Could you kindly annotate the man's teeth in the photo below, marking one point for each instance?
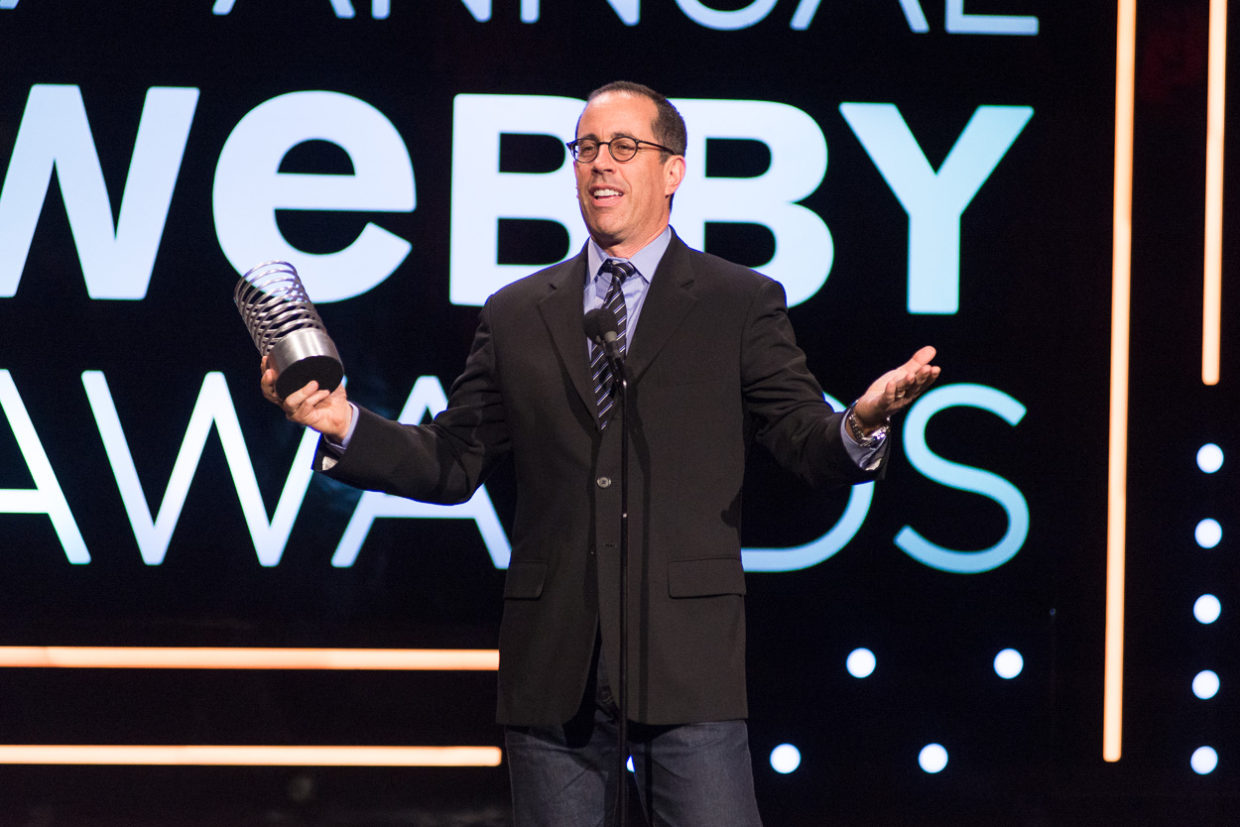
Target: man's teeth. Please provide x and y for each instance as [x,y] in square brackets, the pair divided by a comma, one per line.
[603,193]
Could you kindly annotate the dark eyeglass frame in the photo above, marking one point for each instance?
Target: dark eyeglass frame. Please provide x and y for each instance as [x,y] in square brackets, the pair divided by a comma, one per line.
[575,148]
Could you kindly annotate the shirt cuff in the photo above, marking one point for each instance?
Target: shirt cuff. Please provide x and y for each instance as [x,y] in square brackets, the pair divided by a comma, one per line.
[867,459]
[334,450]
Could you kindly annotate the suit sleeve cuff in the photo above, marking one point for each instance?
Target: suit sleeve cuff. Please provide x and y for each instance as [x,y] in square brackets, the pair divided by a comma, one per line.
[332,450]
[867,459]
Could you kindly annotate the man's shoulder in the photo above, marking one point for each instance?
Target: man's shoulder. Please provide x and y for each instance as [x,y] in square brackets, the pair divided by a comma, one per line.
[710,262]
[715,272]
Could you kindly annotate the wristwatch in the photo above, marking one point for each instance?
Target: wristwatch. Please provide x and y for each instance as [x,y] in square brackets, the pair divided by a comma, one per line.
[875,437]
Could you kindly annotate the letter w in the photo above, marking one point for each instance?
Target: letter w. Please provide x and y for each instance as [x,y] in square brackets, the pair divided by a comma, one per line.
[54,134]
[214,407]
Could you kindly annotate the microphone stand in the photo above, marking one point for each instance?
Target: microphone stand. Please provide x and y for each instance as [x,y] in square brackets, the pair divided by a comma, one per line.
[620,689]
[622,731]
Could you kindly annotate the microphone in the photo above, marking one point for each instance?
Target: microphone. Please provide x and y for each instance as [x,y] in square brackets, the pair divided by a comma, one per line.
[285,326]
[601,327]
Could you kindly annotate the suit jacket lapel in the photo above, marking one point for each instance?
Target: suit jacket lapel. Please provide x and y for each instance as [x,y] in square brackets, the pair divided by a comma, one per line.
[561,312]
[671,297]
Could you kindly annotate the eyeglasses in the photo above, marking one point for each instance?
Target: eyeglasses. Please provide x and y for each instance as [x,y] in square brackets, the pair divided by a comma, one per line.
[623,149]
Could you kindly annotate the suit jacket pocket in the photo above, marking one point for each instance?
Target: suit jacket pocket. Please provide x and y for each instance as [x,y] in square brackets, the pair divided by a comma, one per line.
[524,580]
[706,577]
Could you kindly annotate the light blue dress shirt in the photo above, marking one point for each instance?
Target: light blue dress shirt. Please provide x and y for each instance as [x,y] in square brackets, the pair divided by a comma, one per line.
[645,261]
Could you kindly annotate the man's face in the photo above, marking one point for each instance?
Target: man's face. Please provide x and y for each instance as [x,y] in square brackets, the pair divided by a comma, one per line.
[625,206]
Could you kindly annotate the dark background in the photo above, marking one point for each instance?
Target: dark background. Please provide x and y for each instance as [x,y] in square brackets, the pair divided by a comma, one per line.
[1033,322]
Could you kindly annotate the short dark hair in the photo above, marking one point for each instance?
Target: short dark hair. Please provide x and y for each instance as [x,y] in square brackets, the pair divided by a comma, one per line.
[668,126]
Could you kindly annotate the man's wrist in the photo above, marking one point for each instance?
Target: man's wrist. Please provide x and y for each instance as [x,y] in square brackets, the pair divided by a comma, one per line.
[341,441]
[865,436]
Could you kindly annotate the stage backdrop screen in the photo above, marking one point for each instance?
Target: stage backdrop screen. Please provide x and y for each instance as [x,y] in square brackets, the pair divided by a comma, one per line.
[912,172]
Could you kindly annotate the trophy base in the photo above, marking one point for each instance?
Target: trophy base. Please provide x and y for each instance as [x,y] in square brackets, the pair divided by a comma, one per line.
[322,369]
[303,356]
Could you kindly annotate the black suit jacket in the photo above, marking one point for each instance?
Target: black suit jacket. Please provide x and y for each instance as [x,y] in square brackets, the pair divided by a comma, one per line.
[713,366]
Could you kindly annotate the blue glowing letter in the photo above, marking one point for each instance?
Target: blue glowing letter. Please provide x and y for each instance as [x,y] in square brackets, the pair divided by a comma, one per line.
[249,188]
[964,478]
[482,194]
[46,497]
[214,407]
[703,15]
[804,249]
[54,133]
[814,552]
[933,200]
[960,22]
[427,397]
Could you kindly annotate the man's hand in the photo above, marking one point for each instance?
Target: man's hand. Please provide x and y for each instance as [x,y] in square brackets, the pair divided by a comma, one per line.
[327,412]
[896,389]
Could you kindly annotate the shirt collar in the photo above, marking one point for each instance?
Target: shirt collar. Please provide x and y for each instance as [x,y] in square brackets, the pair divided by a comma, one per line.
[646,260]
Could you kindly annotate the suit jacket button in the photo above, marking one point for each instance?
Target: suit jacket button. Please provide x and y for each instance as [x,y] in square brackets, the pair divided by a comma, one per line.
[603,482]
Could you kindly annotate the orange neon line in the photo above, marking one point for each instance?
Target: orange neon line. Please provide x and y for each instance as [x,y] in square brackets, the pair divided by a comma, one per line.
[251,756]
[1212,304]
[172,657]
[1117,461]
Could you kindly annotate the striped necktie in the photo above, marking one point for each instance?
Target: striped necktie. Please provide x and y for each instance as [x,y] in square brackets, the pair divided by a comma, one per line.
[600,370]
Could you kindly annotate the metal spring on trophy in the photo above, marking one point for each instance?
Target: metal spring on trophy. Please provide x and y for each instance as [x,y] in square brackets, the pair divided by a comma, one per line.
[273,303]
[285,326]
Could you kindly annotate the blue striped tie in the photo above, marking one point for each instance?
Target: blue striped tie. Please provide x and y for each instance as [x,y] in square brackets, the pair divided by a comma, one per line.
[600,370]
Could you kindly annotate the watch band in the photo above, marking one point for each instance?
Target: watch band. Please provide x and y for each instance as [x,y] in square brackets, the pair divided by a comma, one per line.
[875,437]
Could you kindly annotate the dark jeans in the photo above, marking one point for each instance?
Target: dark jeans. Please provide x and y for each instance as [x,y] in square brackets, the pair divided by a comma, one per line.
[690,775]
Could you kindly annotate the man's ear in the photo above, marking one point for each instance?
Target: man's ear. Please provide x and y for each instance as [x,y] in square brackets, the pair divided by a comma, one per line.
[674,172]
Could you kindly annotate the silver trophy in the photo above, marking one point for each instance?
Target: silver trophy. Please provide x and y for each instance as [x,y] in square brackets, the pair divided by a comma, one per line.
[285,326]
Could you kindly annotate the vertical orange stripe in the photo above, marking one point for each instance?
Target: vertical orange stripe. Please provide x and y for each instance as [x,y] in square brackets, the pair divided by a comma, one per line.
[1117,462]
[1212,303]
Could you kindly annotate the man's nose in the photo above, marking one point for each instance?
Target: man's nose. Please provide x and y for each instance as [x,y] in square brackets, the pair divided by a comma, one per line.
[603,158]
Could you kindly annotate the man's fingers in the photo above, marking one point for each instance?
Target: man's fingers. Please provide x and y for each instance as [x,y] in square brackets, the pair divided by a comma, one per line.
[298,397]
[918,370]
[315,399]
[896,389]
[922,357]
[914,378]
[267,381]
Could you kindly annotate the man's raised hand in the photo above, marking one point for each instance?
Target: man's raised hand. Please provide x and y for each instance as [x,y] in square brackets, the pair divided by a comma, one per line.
[327,412]
[896,389]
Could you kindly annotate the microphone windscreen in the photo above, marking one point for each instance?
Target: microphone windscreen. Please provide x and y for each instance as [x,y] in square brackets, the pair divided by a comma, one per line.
[599,322]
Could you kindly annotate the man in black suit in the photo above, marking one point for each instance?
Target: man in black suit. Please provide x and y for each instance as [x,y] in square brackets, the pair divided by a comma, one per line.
[713,366]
